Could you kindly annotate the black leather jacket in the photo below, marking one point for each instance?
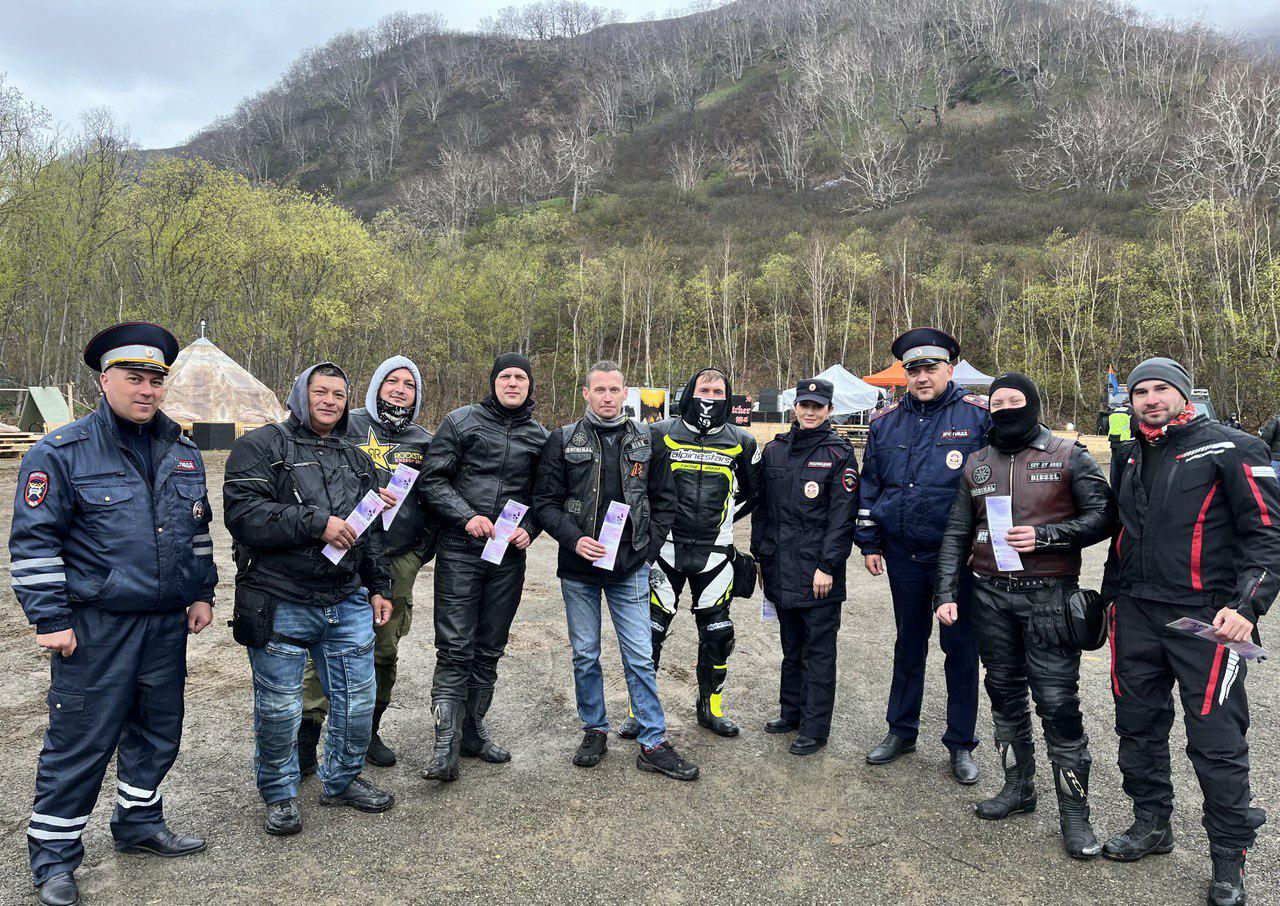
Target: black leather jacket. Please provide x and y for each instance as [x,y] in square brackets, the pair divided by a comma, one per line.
[1270,434]
[482,456]
[1090,493]
[415,526]
[277,505]
[567,496]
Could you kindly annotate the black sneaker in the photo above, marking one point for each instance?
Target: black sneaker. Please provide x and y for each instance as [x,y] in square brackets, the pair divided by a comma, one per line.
[283,818]
[663,759]
[595,745]
[362,796]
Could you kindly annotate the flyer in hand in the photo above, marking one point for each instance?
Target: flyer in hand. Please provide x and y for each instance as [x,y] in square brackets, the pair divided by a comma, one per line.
[360,519]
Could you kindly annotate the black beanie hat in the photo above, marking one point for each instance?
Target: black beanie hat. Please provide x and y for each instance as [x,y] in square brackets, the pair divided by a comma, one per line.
[501,364]
[511,360]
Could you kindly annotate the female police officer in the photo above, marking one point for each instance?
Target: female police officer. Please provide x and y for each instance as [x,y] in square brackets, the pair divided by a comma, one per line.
[801,535]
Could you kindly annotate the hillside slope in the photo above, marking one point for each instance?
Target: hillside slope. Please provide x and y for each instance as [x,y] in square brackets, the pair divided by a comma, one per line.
[998,120]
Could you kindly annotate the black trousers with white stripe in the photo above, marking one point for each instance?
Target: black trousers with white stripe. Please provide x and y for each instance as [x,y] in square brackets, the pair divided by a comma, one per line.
[1147,658]
[121,693]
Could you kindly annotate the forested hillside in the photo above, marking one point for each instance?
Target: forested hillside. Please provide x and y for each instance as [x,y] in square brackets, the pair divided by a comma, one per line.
[774,186]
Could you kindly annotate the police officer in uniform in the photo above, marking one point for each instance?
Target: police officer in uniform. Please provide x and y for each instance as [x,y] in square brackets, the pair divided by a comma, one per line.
[113,564]
[801,535]
[909,474]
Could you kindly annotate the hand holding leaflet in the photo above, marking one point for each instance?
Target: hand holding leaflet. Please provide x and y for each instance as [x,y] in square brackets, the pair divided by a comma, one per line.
[1206,631]
[611,533]
[507,523]
[361,518]
[401,481]
[999,521]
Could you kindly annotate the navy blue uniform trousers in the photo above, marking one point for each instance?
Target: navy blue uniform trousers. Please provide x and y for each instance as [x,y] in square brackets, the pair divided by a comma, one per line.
[120,692]
[911,584]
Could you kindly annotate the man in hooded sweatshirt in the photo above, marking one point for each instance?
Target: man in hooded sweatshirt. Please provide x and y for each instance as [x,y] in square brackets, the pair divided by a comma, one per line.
[715,467]
[385,428]
[1060,503]
[484,456]
[287,492]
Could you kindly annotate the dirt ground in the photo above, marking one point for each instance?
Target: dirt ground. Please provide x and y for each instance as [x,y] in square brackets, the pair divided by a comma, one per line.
[761,825]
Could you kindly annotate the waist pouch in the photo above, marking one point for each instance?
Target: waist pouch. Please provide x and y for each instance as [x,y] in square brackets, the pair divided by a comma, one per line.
[744,573]
[253,618]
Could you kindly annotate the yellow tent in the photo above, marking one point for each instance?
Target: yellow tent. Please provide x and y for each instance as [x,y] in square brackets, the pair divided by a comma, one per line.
[207,385]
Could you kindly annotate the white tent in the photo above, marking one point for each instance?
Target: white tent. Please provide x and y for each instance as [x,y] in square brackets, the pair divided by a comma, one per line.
[852,394]
[967,376]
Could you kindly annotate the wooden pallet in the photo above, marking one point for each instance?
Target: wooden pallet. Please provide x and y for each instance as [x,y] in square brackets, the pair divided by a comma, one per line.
[855,434]
[13,444]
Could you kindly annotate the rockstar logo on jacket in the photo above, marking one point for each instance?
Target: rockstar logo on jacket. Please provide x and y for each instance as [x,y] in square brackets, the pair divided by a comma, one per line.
[378,452]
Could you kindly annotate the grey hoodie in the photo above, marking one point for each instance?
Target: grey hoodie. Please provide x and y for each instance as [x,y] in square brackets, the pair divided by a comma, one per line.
[299,405]
[380,374]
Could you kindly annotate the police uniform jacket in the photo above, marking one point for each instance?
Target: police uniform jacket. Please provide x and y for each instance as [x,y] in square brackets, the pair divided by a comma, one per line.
[805,520]
[88,531]
[911,468]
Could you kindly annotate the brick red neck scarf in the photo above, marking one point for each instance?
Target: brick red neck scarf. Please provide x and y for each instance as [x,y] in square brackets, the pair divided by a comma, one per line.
[1155,435]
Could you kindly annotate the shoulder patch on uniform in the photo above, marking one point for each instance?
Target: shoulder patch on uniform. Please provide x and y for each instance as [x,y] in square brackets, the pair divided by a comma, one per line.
[186,465]
[974,399]
[850,480]
[36,489]
[885,411]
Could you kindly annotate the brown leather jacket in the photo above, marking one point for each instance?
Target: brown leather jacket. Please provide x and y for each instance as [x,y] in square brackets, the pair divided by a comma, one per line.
[1055,486]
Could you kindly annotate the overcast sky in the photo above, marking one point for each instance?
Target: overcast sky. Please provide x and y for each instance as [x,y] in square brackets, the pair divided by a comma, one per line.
[168,67]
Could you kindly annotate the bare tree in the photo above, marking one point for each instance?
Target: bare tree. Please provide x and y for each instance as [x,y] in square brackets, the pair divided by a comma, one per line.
[788,121]
[1232,146]
[1105,143]
[885,170]
[686,161]
[581,155]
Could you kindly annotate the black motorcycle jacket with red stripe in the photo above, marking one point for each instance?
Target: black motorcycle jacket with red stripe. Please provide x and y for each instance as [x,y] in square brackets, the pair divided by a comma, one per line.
[1208,533]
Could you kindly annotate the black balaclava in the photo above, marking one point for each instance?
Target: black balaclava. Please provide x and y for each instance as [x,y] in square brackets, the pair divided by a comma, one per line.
[1013,430]
[501,364]
[705,415]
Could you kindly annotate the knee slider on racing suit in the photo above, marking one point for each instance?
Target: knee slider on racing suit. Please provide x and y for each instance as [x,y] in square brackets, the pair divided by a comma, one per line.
[716,636]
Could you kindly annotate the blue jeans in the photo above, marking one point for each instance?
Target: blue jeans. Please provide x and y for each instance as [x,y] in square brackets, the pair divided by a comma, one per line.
[629,609]
[341,638]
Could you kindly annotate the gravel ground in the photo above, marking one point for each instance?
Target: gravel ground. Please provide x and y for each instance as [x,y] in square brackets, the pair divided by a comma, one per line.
[760,825]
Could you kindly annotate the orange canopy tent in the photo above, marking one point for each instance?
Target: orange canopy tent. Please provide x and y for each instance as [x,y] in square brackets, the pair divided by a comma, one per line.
[893,376]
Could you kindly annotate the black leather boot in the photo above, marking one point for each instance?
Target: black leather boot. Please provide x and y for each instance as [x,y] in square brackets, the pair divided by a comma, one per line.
[444,762]
[630,728]
[1019,793]
[308,739]
[379,752]
[713,721]
[1228,877]
[1073,812]
[476,742]
[1148,835]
